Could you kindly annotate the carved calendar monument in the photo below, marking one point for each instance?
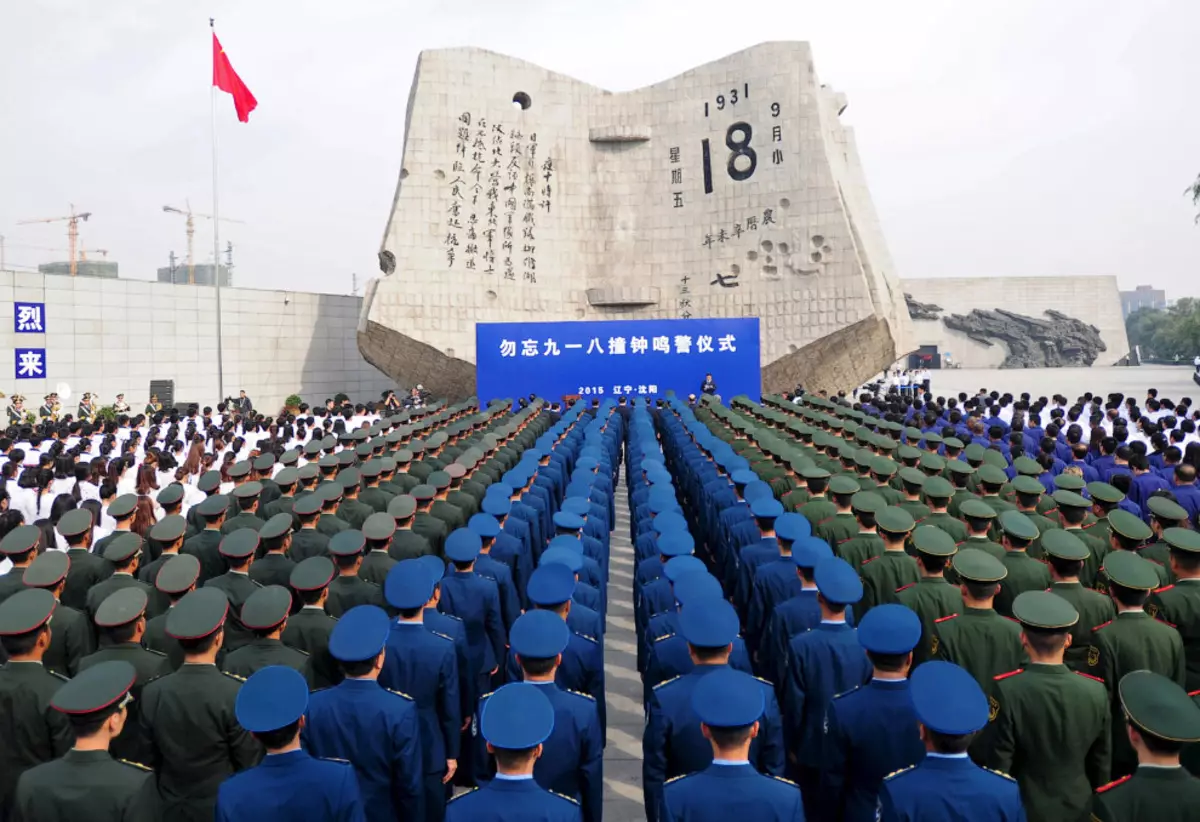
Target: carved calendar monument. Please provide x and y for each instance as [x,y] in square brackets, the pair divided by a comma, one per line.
[732,190]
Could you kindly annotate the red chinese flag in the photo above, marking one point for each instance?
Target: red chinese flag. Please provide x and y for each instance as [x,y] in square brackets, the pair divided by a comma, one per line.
[227,80]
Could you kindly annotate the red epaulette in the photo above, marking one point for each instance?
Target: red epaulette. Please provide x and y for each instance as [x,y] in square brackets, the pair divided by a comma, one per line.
[1166,622]
[1164,588]
[868,559]
[1114,783]
[902,587]
[1156,562]
[1098,627]
[1194,693]
[822,522]
[1089,676]
[999,677]
[1012,619]
[959,544]
[943,619]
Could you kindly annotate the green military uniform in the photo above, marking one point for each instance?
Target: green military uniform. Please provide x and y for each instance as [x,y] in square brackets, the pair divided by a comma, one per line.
[353,511]
[31,732]
[978,639]
[376,565]
[1179,604]
[893,568]
[1093,607]
[88,784]
[375,497]
[432,529]
[116,611]
[348,591]
[1050,726]
[103,590]
[309,628]
[188,716]
[263,613]
[272,568]
[205,546]
[70,634]
[931,597]
[86,570]
[1159,709]
[1024,572]
[1133,641]
[308,542]
[246,494]
[407,544]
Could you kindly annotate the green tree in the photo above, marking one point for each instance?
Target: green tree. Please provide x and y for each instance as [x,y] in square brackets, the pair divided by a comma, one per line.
[1166,334]
[1193,191]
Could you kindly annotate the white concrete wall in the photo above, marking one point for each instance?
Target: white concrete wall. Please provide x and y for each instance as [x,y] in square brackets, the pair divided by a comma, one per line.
[110,336]
[1094,300]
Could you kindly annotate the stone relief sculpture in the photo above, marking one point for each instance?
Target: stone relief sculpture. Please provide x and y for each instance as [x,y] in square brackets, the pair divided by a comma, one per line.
[1057,342]
[922,311]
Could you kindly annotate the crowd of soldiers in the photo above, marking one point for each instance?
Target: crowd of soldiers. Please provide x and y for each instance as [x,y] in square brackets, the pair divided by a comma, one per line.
[844,611]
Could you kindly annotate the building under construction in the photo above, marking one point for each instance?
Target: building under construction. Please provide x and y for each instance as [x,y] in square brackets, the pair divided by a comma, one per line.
[106,269]
[202,274]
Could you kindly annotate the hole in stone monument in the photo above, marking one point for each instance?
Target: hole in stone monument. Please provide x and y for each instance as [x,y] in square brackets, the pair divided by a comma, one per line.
[769,260]
[783,248]
[439,174]
[818,239]
[404,174]
[816,256]
[768,246]
[792,348]
[449,352]
[491,295]
[752,255]
[785,203]
[735,269]
[522,100]
[579,312]
[827,248]
[770,271]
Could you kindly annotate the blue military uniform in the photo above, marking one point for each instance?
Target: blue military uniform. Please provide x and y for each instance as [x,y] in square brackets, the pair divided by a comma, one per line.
[516,717]
[289,785]
[476,601]
[949,787]
[728,789]
[422,664]
[375,729]
[572,761]
[488,529]
[871,731]
[821,664]
[673,743]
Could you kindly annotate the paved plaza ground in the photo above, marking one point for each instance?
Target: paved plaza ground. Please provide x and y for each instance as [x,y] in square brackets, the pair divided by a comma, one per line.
[1174,382]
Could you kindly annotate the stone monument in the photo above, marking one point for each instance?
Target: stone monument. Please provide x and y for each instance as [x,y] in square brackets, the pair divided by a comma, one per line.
[730,190]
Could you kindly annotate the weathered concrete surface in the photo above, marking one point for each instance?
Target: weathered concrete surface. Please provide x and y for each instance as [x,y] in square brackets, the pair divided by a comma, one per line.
[588,204]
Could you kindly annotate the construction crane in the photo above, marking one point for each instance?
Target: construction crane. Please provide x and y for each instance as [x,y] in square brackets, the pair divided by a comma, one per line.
[72,229]
[191,233]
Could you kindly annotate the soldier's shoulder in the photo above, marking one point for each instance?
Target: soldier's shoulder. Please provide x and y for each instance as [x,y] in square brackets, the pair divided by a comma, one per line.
[588,697]
[1089,676]
[440,635]
[467,792]
[1008,675]
[1000,774]
[564,796]
[400,694]
[945,619]
[234,677]
[135,765]
[56,675]
[1102,625]
[905,587]
[1115,783]
[333,760]
[595,641]
[666,682]
[152,652]
[900,772]
[679,778]
[855,689]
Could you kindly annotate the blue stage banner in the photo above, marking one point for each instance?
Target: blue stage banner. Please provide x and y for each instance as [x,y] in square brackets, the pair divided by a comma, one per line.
[610,358]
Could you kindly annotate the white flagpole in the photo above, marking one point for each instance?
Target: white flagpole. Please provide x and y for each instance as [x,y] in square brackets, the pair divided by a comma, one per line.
[216,239]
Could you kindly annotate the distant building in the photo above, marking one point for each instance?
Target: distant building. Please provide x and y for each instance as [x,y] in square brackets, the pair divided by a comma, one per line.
[1142,297]
[83,268]
[203,275]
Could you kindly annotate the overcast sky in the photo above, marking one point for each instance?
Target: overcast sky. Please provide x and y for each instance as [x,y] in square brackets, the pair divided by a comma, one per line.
[1017,138]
